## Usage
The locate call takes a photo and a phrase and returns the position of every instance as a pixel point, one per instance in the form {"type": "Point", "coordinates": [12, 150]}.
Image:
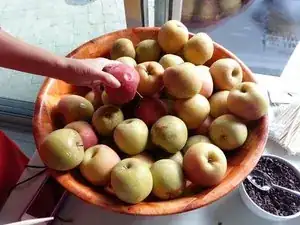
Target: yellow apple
{"type": "Point", "coordinates": [169, 60]}
{"type": "Point", "coordinates": [218, 104]}
{"type": "Point", "coordinates": [226, 73]}
{"type": "Point", "coordinates": [172, 36]}
{"type": "Point", "coordinates": [151, 78]}
{"type": "Point", "coordinates": [228, 132]}
{"type": "Point", "coordinates": [198, 49]}
{"type": "Point", "coordinates": [193, 111]}
{"type": "Point", "coordinates": [182, 81]}
{"type": "Point", "coordinates": [248, 101]}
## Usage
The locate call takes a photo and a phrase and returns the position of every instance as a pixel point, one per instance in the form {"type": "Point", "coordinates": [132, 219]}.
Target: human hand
{"type": "Point", "coordinates": [89, 72]}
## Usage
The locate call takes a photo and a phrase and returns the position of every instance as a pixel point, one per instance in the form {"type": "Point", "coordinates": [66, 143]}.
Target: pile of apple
{"type": "Point", "coordinates": [182, 117]}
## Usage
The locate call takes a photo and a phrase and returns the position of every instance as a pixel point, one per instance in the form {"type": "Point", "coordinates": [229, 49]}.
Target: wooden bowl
{"type": "Point", "coordinates": [240, 163]}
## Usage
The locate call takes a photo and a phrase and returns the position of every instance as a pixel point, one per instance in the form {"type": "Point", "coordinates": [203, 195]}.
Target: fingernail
{"type": "Point", "coordinates": [116, 83]}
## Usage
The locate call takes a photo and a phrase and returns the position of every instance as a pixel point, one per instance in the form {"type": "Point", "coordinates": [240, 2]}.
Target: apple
{"type": "Point", "coordinates": [170, 133]}
{"type": "Point", "coordinates": [150, 110]}
{"type": "Point", "coordinates": [194, 140]}
{"type": "Point", "coordinates": [97, 164]}
{"type": "Point", "coordinates": [182, 81]}
{"type": "Point", "coordinates": [248, 101]}
{"type": "Point", "coordinates": [74, 108]}
{"type": "Point", "coordinates": [106, 118]}
{"type": "Point", "coordinates": [218, 104]}
{"type": "Point", "coordinates": [228, 132]}
{"type": "Point", "coordinates": [207, 81]}
{"type": "Point", "coordinates": [86, 132]}
{"type": "Point", "coordinates": [208, 11]}
{"type": "Point", "coordinates": [168, 179]}
{"type": "Point", "coordinates": [127, 60]}
{"type": "Point", "coordinates": [151, 80]}
{"type": "Point", "coordinates": [198, 49]}
{"type": "Point", "coordinates": [188, 9]}
{"type": "Point", "coordinates": [62, 149]}
{"type": "Point", "coordinates": [94, 98]}
{"type": "Point", "coordinates": [129, 79]}
{"type": "Point", "coordinates": [145, 157]}
{"type": "Point", "coordinates": [204, 127]}
{"type": "Point", "coordinates": [105, 99]}
{"type": "Point", "coordinates": [122, 47]}
{"type": "Point", "coordinates": [193, 111]}
{"type": "Point", "coordinates": [169, 60]}
{"type": "Point", "coordinates": [205, 164]}
{"type": "Point", "coordinates": [172, 36]}
{"type": "Point", "coordinates": [131, 136]}
{"type": "Point", "coordinates": [131, 180]}
{"type": "Point", "coordinates": [169, 103]}
{"type": "Point", "coordinates": [230, 7]}
{"type": "Point", "coordinates": [177, 157]}
{"type": "Point", "coordinates": [226, 73]}
{"type": "Point", "coordinates": [147, 50]}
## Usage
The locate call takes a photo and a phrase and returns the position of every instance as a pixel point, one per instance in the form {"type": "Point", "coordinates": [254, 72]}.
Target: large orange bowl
{"type": "Point", "coordinates": [240, 163]}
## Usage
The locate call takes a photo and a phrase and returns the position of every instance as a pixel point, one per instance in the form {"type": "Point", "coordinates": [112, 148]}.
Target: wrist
{"type": "Point", "coordinates": [59, 68]}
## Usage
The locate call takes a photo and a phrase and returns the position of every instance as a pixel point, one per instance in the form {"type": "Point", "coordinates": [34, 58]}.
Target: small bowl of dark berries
{"type": "Point", "coordinates": [272, 189]}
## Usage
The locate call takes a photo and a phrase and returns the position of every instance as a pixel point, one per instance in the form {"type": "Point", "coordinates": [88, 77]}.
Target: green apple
{"type": "Point", "coordinates": [145, 157]}
{"type": "Point", "coordinates": [131, 180]}
{"type": "Point", "coordinates": [106, 118]}
{"type": "Point", "coordinates": [131, 136]}
{"type": "Point", "coordinates": [62, 149]}
{"type": "Point", "coordinates": [168, 179]}
{"type": "Point", "coordinates": [170, 133]}
{"type": "Point", "coordinates": [228, 132]}
{"type": "Point", "coordinates": [194, 140]}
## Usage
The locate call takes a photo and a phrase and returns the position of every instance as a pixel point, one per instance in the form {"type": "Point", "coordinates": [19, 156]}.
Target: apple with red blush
{"type": "Point", "coordinates": [150, 110]}
{"type": "Point", "coordinates": [86, 132]}
{"type": "Point", "coordinates": [129, 79]}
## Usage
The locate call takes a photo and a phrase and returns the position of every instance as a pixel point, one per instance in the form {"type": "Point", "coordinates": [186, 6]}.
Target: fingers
{"type": "Point", "coordinates": [109, 80]}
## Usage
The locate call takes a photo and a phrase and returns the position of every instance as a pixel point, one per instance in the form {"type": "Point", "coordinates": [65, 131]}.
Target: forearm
{"type": "Point", "coordinates": [16, 54]}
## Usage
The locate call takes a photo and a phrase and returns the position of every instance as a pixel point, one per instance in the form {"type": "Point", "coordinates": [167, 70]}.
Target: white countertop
{"type": "Point", "coordinates": [230, 210]}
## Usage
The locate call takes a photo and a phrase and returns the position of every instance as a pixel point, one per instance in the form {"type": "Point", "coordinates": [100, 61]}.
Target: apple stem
{"type": "Point", "coordinates": [139, 94]}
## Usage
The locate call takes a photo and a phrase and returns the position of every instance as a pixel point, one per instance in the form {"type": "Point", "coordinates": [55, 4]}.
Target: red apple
{"type": "Point", "coordinates": [150, 110]}
{"type": "Point", "coordinates": [204, 127]}
{"type": "Point", "coordinates": [207, 81]}
{"type": "Point", "coordinates": [86, 132]}
{"type": "Point", "coordinates": [129, 79]}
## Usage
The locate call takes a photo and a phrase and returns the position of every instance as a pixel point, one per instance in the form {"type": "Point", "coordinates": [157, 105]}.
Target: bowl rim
{"type": "Point", "coordinates": [179, 205]}
{"type": "Point", "coordinates": [268, 214]}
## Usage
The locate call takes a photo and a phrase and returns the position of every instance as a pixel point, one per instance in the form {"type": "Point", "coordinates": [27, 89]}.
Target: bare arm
{"type": "Point", "coordinates": [18, 55]}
